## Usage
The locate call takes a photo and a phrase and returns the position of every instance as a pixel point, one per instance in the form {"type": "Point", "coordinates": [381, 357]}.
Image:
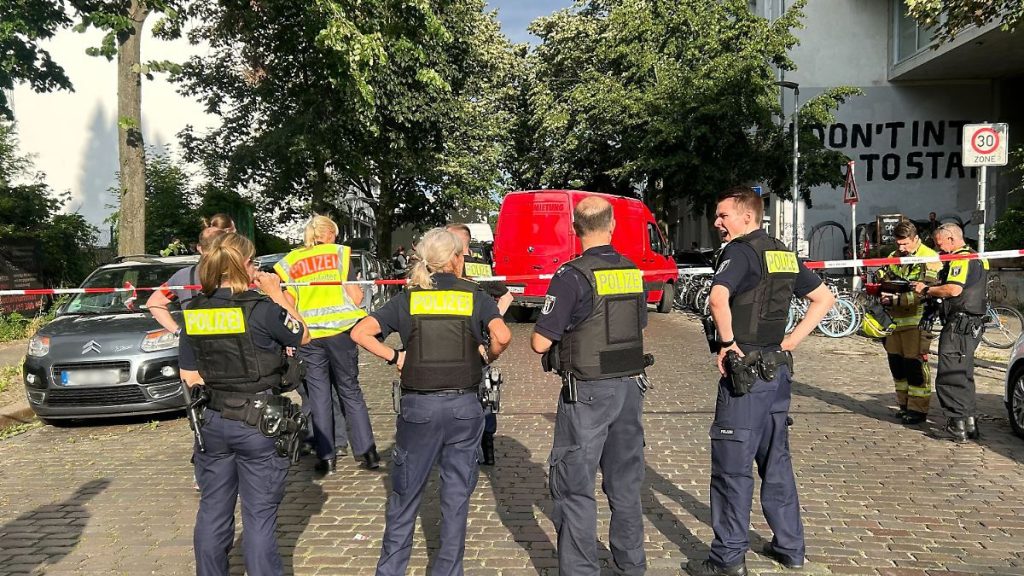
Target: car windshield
{"type": "Point", "coordinates": [140, 276]}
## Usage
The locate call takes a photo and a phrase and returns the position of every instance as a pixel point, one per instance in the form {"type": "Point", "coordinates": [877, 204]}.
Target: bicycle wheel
{"type": "Point", "coordinates": [838, 320]}
{"type": "Point", "coordinates": [796, 312]}
{"type": "Point", "coordinates": [1003, 326]}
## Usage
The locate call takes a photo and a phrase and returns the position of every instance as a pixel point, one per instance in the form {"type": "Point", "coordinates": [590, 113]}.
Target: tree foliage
{"type": "Point", "coordinates": [30, 215]}
{"type": "Point", "coordinates": [394, 101]}
{"type": "Point", "coordinates": [23, 25]}
{"type": "Point", "coordinates": [950, 17]}
{"type": "Point", "coordinates": [674, 100]}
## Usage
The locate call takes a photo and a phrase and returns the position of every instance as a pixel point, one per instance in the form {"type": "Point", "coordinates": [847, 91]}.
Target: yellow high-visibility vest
{"type": "Point", "coordinates": [327, 310]}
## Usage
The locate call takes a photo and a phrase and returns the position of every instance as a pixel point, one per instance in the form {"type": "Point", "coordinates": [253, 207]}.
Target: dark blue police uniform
{"type": "Point", "coordinates": [495, 289]}
{"type": "Point", "coordinates": [239, 460]}
{"type": "Point", "coordinates": [441, 417]}
{"type": "Point", "coordinates": [752, 428]}
{"type": "Point", "coordinates": [603, 428]}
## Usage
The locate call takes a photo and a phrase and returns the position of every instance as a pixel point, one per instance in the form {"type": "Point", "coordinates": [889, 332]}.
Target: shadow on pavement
{"type": "Point", "coordinates": [29, 536]}
{"type": "Point", "coordinates": [995, 431]}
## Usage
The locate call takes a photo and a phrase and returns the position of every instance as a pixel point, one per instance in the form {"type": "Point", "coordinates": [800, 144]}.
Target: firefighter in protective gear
{"type": "Point", "coordinates": [596, 310]}
{"type": "Point", "coordinates": [331, 358]}
{"type": "Point", "coordinates": [442, 320]}
{"type": "Point", "coordinates": [963, 286]}
{"type": "Point", "coordinates": [755, 280]}
{"type": "Point", "coordinates": [907, 345]}
{"type": "Point", "coordinates": [233, 343]}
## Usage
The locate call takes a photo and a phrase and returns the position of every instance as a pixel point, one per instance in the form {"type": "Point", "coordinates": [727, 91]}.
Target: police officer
{"type": "Point", "coordinates": [477, 267]}
{"type": "Point", "coordinates": [963, 286]}
{"type": "Point", "coordinates": [596, 311]}
{"type": "Point", "coordinates": [907, 345]}
{"type": "Point", "coordinates": [331, 358]}
{"type": "Point", "coordinates": [160, 299]}
{"type": "Point", "coordinates": [441, 319]}
{"type": "Point", "coordinates": [232, 343]}
{"type": "Point", "coordinates": [755, 279]}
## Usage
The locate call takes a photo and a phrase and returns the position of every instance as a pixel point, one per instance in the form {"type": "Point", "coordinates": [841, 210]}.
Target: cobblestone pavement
{"type": "Point", "coordinates": [878, 498]}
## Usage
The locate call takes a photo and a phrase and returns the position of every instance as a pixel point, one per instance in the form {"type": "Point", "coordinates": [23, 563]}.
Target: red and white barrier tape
{"type": "Point", "coordinates": [814, 265]}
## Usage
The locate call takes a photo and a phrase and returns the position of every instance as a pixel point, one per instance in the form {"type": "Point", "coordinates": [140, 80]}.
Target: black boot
{"type": "Point", "coordinates": [971, 427]}
{"type": "Point", "coordinates": [913, 417]}
{"type": "Point", "coordinates": [957, 428]}
{"type": "Point", "coordinates": [711, 568]}
{"type": "Point", "coordinates": [327, 466]}
{"type": "Point", "coordinates": [487, 445]}
{"type": "Point", "coordinates": [901, 412]}
{"type": "Point", "coordinates": [371, 460]}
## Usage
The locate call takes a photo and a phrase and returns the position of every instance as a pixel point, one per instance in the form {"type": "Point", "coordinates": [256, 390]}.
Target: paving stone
{"type": "Point", "coordinates": [877, 497]}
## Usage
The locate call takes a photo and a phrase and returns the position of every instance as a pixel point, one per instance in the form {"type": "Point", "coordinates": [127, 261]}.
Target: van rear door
{"type": "Point", "coordinates": [534, 236]}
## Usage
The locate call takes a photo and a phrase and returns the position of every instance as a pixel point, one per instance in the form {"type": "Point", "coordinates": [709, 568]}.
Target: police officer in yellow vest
{"type": "Point", "coordinates": [232, 343]}
{"type": "Point", "coordinates": [907, 345]}
{"type": "Point", "coordinates": [596, 310]}
{"type": "Point", "coordinates": [441, 319]}
{"type": "Point", "coordinates": [963, 287]}
{"type": "Point", "coordinates": [331, 358]}
{"type": "Point", "coordinates": [476, 267]}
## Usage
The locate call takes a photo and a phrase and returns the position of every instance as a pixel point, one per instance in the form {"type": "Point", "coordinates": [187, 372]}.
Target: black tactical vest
{"type": "Point", "coordinates": [974, 298]}
{"type": "Point", "coordinates": [759, 315]}
{"type": "Point", "coordinates": [229, 361]}
{"type": "Point", "coordinates": [610, 342]}
{"type": "Point", "coordinates": [442, 351]}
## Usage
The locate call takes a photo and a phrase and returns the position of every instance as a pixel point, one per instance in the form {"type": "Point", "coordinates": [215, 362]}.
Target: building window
{"type": "Point", "coordinates": [910, 37]}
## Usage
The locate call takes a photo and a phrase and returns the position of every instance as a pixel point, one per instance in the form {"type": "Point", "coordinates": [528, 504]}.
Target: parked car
{"type": "Point", "coordinates": [1013, 393]}
{"type": "Point", "coordinates": [535, 237]}
{"type": "Point", "coordinates": [702, 258]}
{"type": "Point", "coordinates": [104, 354]}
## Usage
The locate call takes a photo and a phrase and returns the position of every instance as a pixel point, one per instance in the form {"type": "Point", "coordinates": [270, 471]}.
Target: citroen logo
{"type": "Point", "coordinates": [91, 346]}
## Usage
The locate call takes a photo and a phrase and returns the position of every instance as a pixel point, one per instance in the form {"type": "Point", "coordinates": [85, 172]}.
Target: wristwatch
{"type": "Point", "coordinates": [727, 343]}
{"type": "Point", "coordinates": [394, 359]}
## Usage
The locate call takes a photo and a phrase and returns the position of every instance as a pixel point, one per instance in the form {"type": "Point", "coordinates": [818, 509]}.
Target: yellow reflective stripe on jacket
{"type": "Point", "coordinates": [476, 269]}
{"type": "Point", "coordinates": [327, 310]}
{"type": "Point", "coordinates": [781, 262]}
{"type": "Point", "coordinates": [441, 302]}
{"type": "Point", "coordinates": [623, 281]}
{"type": "Point", "coordinates": [214, 321]}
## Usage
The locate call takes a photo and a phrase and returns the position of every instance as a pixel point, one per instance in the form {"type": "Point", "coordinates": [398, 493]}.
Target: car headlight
{"type": "Point", "coordinates": [39, 346]}
{"type": "Point", "coordinates": [159, 340]}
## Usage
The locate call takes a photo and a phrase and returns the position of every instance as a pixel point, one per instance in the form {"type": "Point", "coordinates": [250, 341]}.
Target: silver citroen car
{"type": "Point", "coordinates": [104, 354]}
{"type": "Point", "coordinates": [1013, 394]}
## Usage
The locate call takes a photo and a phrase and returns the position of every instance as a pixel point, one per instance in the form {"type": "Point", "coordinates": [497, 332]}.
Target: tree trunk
{"type": "Point", "coordinates": [385, 220]}
{"type": "Point", "coordinates": [131, 235]}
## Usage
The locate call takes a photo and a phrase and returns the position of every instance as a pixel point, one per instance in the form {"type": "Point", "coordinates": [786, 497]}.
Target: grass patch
{"type": "Point", "coordinates": [12, 431]}
{"type": "Point", "coordinates": [9, 376]}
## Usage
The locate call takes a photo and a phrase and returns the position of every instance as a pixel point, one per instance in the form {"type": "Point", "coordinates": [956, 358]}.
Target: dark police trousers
{"type": "Point", "coordinates": [443, 428]}
{"type": "Point", "coordinates": [333, 361]}
{"type": "Point", "coordinates": [747, 429]}
{"type": "Point", "coordinates": [601, 429]}
{"type": "Point", "coordinates": [239, 461]}
{"type": "Point", "coordinates": [954, 382]}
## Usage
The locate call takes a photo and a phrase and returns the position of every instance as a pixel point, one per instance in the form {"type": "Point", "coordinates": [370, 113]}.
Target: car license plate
{"type": "Point", "coordinates": [90, 377]}
{"type": "Point", "coordinates": [517, 289]}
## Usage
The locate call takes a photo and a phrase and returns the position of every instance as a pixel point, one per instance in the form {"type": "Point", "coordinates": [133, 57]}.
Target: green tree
{"type": "Point", "coordinates": [388, 100]}
{"type": "Point", "coordinates": [30, 215]}
{"type": "Point", "coordinates": [23, 25]}
{"type": "Point", "coordinates": [171, 204]}
{"type": "Point", "coordinates": [672, 100]}
{"type": "Point", "coordinates": [950, 17]}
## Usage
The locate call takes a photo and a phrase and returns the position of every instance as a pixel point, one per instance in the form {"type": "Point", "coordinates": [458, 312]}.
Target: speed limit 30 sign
{"type": "Point", "coordinates": [985, 144]}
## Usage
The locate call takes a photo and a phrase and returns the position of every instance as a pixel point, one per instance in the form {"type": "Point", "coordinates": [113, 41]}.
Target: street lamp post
{"type": "Point", "coordinates": [796, 158]}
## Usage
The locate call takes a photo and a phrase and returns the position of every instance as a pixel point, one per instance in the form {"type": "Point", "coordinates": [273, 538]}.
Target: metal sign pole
{"type": "Point", "coordinates": [981, 207]}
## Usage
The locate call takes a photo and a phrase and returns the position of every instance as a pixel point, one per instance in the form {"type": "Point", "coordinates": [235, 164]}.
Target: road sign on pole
{"type": "Point", "coordinates": [850, 193]}
{"type": "Point", "coordinates": [985, 144]}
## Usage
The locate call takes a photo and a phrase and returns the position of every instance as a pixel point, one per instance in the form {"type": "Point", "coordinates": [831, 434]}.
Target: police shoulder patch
{"type": "Point", "coordinates": [292, 323]}
{"type": "Point", "coordinates": [549, 304]}
{"type": "Point", "coordinates": [723, 266]}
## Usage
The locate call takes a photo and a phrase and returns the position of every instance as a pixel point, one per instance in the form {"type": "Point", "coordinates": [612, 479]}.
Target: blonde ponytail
{"type": "Point", "coordinates": [317, 229]}
{"type": "Point", "coordinates": [437, 250]}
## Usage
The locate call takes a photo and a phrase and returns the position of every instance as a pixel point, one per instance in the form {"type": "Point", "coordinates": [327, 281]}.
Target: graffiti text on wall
{"type": "Point", "coordinates": [934, 148]}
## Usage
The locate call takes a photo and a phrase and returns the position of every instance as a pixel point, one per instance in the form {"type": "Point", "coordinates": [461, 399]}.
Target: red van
{"type": "Point", "coordinates": [535, 236]}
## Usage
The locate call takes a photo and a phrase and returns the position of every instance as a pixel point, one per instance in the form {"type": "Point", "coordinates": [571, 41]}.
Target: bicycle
{"type": "Point", "coordinates": [1003, 325]}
